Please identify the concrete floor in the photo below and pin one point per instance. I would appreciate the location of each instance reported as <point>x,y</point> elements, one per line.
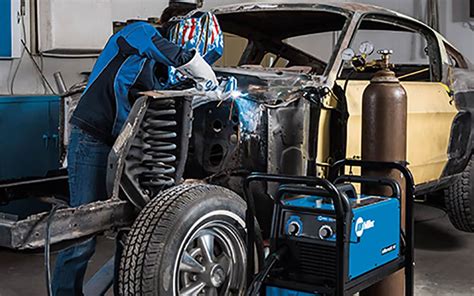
<point>444,261</point>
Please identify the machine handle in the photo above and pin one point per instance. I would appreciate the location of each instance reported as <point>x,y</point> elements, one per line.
<point>340,201</point>
<point>394,186</point>
<point>368,164</point>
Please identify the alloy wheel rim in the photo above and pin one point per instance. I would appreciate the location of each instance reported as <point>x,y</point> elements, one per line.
<point>212,261</point>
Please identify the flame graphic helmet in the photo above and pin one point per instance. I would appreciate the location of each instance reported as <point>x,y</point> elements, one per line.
<point>200,31</point>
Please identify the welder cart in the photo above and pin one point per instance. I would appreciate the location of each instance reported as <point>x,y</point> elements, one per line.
<point>326,239</point>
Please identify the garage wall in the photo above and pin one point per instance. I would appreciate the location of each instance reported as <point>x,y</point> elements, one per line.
<point>454,23</point>
<point>27,79</point>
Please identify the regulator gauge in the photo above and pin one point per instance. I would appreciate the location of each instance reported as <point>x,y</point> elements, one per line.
<point>348,54</point>
<point>366,48</point>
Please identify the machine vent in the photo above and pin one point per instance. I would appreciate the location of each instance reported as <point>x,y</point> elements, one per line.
<point>318,261</point>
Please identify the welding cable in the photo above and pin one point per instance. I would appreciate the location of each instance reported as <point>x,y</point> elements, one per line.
<point>57,204</point>
<point>346,83</point>
<point>256,284</point>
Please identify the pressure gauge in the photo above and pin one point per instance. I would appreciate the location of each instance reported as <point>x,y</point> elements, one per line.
<point>366,48</point>
<point>348,54</point>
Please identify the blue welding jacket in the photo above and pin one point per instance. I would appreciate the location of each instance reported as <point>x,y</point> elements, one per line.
<point>130,62</point>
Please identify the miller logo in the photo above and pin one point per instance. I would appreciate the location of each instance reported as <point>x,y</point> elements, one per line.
<point>361,226</point>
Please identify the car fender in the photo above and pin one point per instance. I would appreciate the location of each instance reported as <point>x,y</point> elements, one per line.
<point>461,142</point>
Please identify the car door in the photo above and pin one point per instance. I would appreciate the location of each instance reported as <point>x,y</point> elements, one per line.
<point>430,108</point>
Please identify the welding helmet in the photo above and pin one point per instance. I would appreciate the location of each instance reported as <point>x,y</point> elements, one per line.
<point>199,31</point>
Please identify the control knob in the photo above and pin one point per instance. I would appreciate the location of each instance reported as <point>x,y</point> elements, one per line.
<point>294,228</point>
<point>325,232</point>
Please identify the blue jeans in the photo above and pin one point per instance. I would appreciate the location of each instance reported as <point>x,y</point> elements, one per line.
<point>87,167</point>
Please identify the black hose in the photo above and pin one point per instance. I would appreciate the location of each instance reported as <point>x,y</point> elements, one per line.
<point>47,253</point>
<point>347,81</point>
<point>57,204</point>
<point>256,284</point>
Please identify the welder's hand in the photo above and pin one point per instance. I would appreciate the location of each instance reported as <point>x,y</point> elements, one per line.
<point>227,87</point>
<point>201,72</point>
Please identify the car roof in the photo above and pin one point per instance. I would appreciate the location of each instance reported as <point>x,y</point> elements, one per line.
<point>341,7</point>
<point>350,7</point>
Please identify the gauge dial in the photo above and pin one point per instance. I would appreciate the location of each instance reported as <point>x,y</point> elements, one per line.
<point>348,54</point>
<point>366,48</point>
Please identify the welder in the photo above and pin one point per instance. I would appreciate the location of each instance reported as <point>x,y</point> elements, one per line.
<point>131,62</point>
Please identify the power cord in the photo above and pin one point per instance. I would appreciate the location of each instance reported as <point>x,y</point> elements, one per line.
<point>256,284</point>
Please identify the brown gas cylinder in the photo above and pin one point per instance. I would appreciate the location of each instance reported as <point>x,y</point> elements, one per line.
<point>384,138</point>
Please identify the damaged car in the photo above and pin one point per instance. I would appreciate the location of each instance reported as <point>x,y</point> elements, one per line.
<point>177,170</point>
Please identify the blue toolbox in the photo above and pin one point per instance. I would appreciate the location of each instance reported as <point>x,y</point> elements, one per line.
<point>326,239</point>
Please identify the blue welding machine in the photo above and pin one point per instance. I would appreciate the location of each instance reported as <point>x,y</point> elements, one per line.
<point>328,240</point>
<point>375,229</point>
<point>374,237</point>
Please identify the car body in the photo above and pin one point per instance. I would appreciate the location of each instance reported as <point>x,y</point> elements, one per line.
<point>302,139</point>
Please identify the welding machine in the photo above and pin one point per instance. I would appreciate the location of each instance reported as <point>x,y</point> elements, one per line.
<point>328,240</point>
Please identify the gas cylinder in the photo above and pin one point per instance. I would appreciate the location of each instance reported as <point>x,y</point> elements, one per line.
<point>384,138</point>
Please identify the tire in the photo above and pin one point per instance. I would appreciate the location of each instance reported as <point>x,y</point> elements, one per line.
<point>459,199</point>
<point>168,250</point>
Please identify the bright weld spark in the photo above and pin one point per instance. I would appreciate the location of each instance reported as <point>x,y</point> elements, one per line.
<point>235,94</point>
<point>238,94</point>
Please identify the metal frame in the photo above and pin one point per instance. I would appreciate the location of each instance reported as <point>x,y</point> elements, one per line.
<point>66,224</point>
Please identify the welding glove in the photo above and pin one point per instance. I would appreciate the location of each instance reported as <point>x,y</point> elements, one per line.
<point>201,72</point>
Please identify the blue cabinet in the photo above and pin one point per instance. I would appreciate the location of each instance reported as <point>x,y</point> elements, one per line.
<point>29,136</point>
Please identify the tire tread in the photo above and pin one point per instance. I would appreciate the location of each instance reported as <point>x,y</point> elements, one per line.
<point>458,200</point>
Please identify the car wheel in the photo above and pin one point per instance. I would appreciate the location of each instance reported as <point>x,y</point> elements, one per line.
<point>459,199</point>
<point>190,240</point>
